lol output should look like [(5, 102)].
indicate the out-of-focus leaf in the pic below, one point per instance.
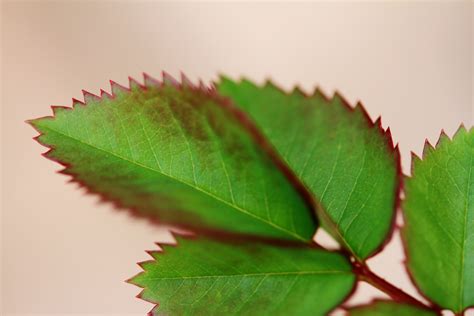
[(389, 308)]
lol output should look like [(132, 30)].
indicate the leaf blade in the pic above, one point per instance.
[(346, 161), (180, 152), (439, 212), (242, 278)]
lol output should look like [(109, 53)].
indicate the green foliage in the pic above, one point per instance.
[(347, 162), (250, 167), (439, 212), (179, 154), (205, 277), (387, 308)]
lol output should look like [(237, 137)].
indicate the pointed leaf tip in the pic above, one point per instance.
[(90, 141), (59, 108), (150, 81), (319, 93), (89, 97), (461, 130), (378, 122), (133, 84), (169, 80), (427, 148), (298, 91), (76, 102), (117, 89), (105, 94), (443, 137), (186, 82)]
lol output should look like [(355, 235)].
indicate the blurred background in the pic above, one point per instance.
[(62, 252)]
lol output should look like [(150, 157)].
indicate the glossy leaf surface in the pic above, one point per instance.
[(204, 277), (439, 215), (178, 153), (345, 160)]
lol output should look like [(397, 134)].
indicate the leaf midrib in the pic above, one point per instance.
[(329, 220), (239, 209), (256, 274)]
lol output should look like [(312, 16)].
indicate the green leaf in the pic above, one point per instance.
[(178, 153), (389, 308), (344, 159), (205, 277), (439, 221)]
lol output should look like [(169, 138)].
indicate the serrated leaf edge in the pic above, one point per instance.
[(385, 133), (177, 236), (116, 89), (167, 79), (428, 149), (161, 250)]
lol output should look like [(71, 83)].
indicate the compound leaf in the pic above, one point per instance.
[(346, 161), (206, 277), (388, 308), (178, 153), (439, 215)]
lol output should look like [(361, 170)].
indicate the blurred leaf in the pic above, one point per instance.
[(439, 215), (204, 277), (345, 160), (178, 153), (389, 308)]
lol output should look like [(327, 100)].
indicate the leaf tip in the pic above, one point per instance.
[(427, 148), (153, 253), (59, 108), (117, 89), (461, 130), (378, 122), (414, 160), (169, 79), (133, 84), (150, 81), (77, 102), (361, 108), (105, 95), (89, 97), (443, 137), (32, 123), (318, 92), (297, 90), (186, 82), (339, 97)]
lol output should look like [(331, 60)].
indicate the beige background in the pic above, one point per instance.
[(64, 254)]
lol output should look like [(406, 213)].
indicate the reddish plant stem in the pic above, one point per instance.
[(365, 274)]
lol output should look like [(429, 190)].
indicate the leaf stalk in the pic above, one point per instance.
[(365, 274)]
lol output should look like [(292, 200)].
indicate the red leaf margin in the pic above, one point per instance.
[(248, 123), (428, 148), (161, 250), (211, 92), (386, 134), (229, 238)]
